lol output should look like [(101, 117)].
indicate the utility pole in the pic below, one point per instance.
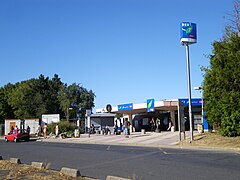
[(68, 113)]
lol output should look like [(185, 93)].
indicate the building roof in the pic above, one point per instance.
[(97, 115), (13, 119), (165, 105)]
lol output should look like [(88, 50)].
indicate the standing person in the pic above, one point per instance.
[(127, 127), (39, 131), (115, 128), (16, 128), (152, 122), (107, 129), (92, 129), (12, 128), (121, 126), (56, 130), (169, 124), (28, 129), (45, 130), (158, 123)]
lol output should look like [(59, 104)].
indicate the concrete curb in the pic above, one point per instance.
[(15, 160), (67, 171), (116, 178), (39, 165), (70, 172)]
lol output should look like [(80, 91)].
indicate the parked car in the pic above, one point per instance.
[(17, 135)]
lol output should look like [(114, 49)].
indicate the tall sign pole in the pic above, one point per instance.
[(189, 92), (189, 36)]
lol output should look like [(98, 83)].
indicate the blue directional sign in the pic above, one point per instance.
[(125, 107), (188, 32), (150, 105), (195, 101)]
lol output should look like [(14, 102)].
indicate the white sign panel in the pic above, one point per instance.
[(50, 118)]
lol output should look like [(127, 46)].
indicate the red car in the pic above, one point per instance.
[(17, 135)]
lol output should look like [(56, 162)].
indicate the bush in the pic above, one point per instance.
[(63, 126)]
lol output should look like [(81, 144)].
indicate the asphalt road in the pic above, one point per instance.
[(98, 161)]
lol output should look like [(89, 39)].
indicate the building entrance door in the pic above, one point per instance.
[(12, 126)]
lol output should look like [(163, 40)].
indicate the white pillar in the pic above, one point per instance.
[(88, 122)]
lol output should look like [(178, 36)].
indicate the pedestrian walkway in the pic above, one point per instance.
[(149, 139)]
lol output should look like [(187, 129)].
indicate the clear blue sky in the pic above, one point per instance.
[(126, 51)]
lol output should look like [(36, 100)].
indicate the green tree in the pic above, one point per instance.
[(5, 109), (222, 84), (34, 97), (24, 100), (47, 90), (222, 80), (64, 101), (54, 88), (76, 97)]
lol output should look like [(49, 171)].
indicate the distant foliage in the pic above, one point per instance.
[(34, 97)]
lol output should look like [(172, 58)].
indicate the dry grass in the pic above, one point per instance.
[(213, 140), (13, 171)]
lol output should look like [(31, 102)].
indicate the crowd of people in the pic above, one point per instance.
[(156, 124), (21, 129), (42, 130)]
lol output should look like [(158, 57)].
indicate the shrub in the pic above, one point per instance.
[(63, 126)]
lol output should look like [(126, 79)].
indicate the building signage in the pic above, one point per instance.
[(150, 105), (188, 33), (109, 108), (125, 107), (195, 102), (50, 118)]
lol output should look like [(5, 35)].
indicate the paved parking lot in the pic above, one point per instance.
[(150, 139)]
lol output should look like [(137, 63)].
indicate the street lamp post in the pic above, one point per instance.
[(68, 113)]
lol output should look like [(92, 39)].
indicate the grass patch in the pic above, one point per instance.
[(213, 140)]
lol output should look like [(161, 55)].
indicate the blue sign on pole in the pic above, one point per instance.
[(188, 33), (150, 105), (125, 107), (195, 102)]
